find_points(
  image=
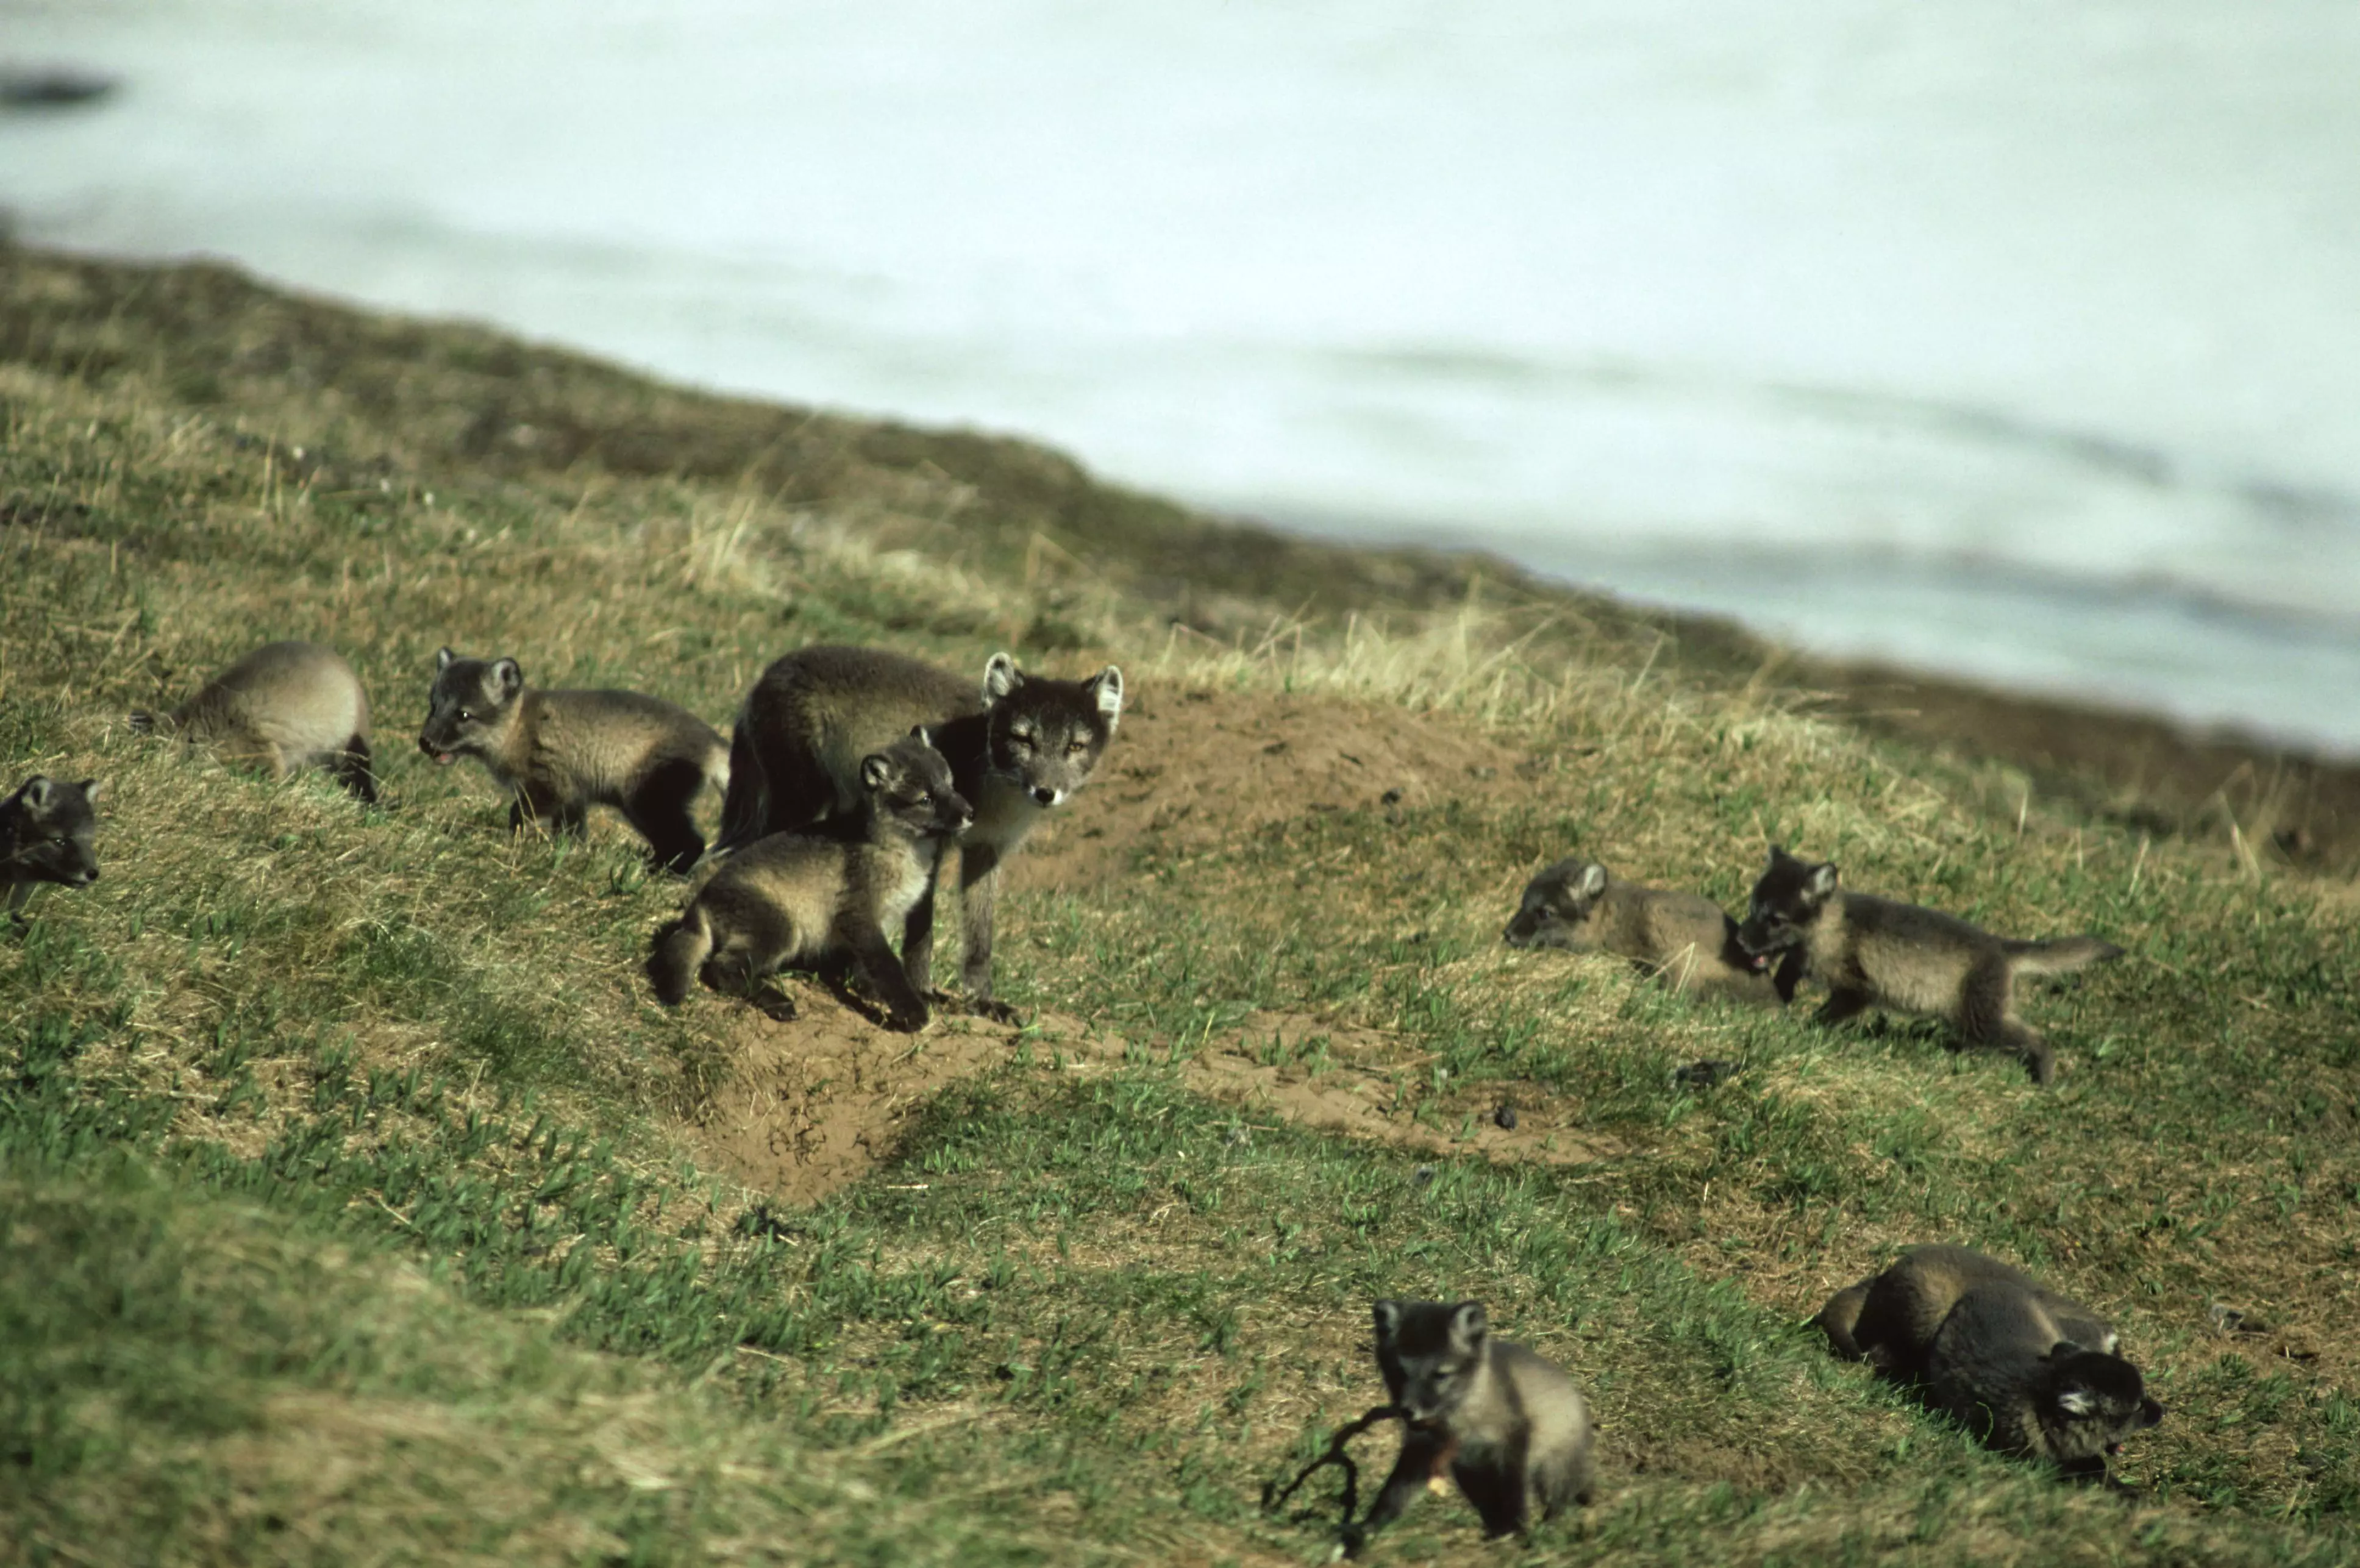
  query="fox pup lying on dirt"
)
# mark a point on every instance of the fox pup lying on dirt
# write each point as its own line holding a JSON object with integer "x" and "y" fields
{"x": 1020, "y": 746}
{"x": 560, "y": 753}
{"x": 1502, "y": 1421}
{"x": 2028, "y": 1371}
{"x": 1875, "y": 952}
{"x": 1687, "y": 942}
{"x": 287, "y": 705}
{"x": 47, "y": 835}
{"x": 830, "y": 891}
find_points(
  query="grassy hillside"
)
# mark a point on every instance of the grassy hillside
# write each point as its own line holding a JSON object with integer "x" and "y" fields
{"x": 366, "y": 1209}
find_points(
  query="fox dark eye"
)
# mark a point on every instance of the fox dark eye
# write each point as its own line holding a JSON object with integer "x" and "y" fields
{"x": 467, "y": 716}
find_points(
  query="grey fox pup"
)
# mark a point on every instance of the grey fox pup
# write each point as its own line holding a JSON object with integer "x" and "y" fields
{"x": 47, "y": 831}
{"x": 1506, "y": 1424}
{"x": 1872, "y": 952}
{"x": 800, "y": 899}
{"x": 2028, "y": 1370}
{"x": 1017, "y": 748}
{"x": 1687, "y": 941}
{"x": 287, "y": 705}
{"x": 560, "y": 753}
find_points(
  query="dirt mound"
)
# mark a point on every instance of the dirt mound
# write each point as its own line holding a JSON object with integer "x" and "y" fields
{"x": 818, "y": 1100}
{"x": 1190, "y": 767}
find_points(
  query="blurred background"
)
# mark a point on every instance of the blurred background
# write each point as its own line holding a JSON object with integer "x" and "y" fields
{"x": 2005, "y": 339}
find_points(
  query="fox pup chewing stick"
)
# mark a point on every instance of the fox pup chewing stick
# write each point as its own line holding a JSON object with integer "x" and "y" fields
{"x": 2028, "y": 1370}
{"x": 1018, "y": 747}
{"x": 48, "y": 832}
{"x": 560, "y": 753}
{"x": 1502, "y": 1421}
{"x": 801, "y": 899}
{"x": 1687, "y": 942}
{"x": 1877, "y": 952}
{"x": 285, "y": 706}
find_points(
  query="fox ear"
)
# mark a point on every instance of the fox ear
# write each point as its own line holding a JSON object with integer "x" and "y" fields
{"x": 2076, "y": 1402}
{"x": 918, "y": 733}
{"x": 35, "y": 792}
{"x": 444, "y": 659}
{"x": 507, "y": 678}
{"x": 1820, "y": 882}
{"x": 1388, "y": 1317}
{"x": 1107, "y": 684}
{"x": 1778, "y": 853}
{"x": 874, "y": 771}
{"x": 1469, "y": 1325}
{"x": 1593, "y": 880}
{"x": 1000, "y": 677}
{"x": 90, "y": 788}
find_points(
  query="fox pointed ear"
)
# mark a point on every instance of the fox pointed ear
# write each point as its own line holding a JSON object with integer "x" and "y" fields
{"x": 1107, "y": 684}
{"x": 874, "y": 771}
{"x": 90, "y": 788}
{"x": 1469, "y": 1325}
{"x": 1593, "y": 880}
{"x": 444, "y": 659}
{"x": 1820, "y": 882}
{"x": 918, "y": 733}
{"x": 35, "y": 792}
{"x": 2076, "y": 1402}
{"x": 1777, "y": 854}
{"x": 507, "y": 678}
{"x": 1388, "y": 1315}
{"x": 1000, "y": 677}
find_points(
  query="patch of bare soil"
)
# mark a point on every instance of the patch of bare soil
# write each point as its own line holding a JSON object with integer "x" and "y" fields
{"x": 1189, "y": 768}
{"x": 818, "y": 1100}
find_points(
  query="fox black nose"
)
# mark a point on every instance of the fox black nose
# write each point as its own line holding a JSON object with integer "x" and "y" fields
{"x": 2152, "y": 1412}
{"x": 1042, "y": 793}
{"x": 90, "y": 877}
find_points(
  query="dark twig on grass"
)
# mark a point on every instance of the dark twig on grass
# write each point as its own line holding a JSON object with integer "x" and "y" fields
{"x": 1336, "y": 1455}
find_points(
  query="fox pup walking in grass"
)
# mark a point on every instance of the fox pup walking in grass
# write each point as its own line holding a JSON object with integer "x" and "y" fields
{"x": 1502, "y": 1421}
{"x": 2029, "y": 1371}
{"x": 287, "y": 705}
{"x": 1874, "y": 952}
{"x": 46, "y": 831}
{"x": 560, "y": 753}
{"x": 1019, "y": 748}
{"x": 800, "y": 899}
{"x": 1687, "y": 942}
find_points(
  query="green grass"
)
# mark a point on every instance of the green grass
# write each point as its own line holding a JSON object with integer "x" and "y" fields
{"x": 345, "y": 1160}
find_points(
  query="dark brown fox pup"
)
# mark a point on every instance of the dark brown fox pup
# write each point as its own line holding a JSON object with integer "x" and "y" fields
{"x": 1503, "y": 1423}
{"x": 1687, "y": 942}
{"x": 560, "y": 753}
{"x": 1875, "y": 952}
{"x": 830, "y": 891}
{"x": 285, "y": 706}
{"x": 46, "y": 831}
{"x": 1020, "y": 746}
{"x": 2028, "y": 1371}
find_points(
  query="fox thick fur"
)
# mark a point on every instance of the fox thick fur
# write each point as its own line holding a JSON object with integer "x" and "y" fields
{"x": 1017, "y": 747}
{"x": 560, "y": 753}
{"x": 47, "y": 836}
{"x": 1685, "y": 939}
{"x": 1877, "y": 952}
{"x": 2028, "y": 1370}
{"x": 1503, "y": 1422}
{"x": 285, "y": 706}
{"x": 830, "y": 891}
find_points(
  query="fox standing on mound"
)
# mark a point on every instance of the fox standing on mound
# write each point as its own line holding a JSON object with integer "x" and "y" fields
{"x": 1017, "y": 750}
{"x": 1877, "y": 952}
{"x": 829, "y": 892}
{"x": 560, "y": 753}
